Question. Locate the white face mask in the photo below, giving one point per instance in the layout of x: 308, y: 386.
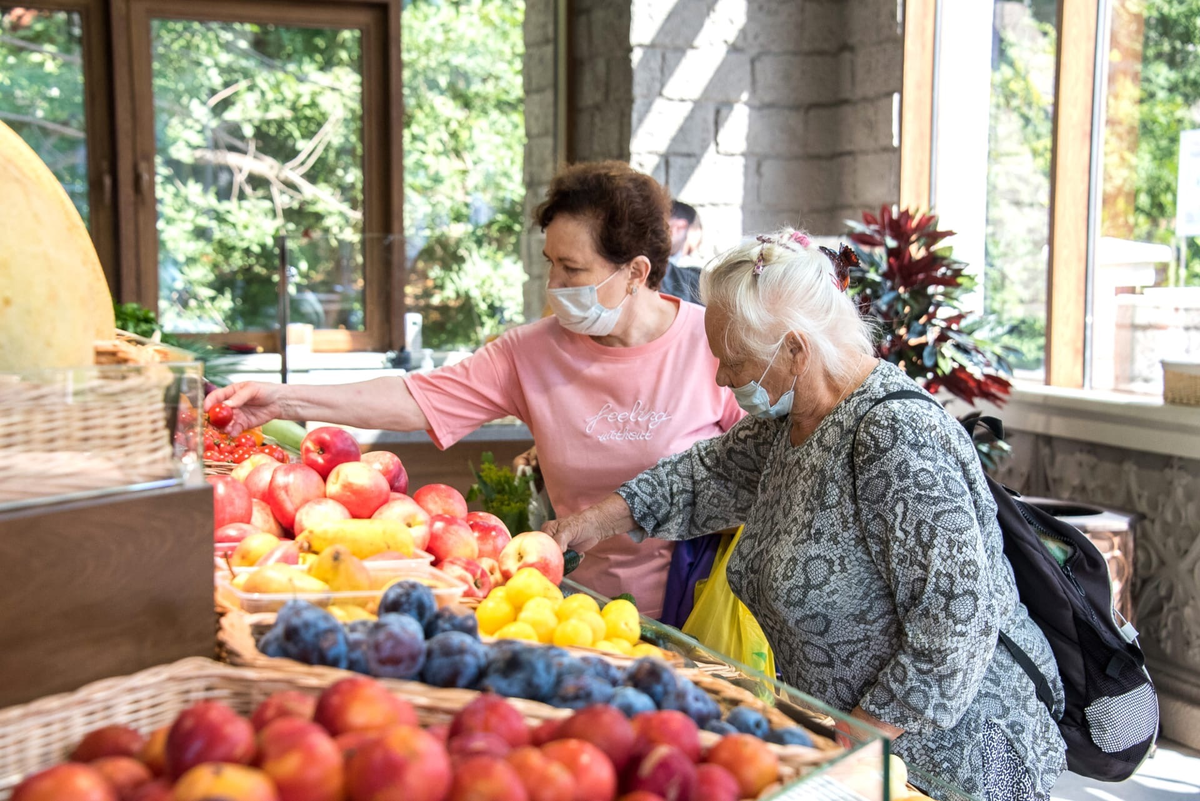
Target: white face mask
x: 578, y: 309
x: 755, y: 401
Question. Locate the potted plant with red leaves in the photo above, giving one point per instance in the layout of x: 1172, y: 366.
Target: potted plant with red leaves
x: 915, y: 288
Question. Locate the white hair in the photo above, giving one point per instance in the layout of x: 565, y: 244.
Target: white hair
x: 796, y: 291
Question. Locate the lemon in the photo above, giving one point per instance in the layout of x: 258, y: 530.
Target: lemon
x: 573, y: 633
x: 499, y: 593
x: 577, y: 605
x: 494, y: 613
x: 606, y: 645
x: 552, y: 594
x: 621, y: 621
x: 646, y: 649
x: 595, y: 623
x: 526, y: 583
x: 517, y: 631
x: 623, y: 648
x: 347, y: 613
x: 539, y: 613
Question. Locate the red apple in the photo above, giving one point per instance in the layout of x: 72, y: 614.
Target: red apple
x: 640, y: 795
x: 533, y: 549
x: 714, y: 783
x: 108, y: 741
x: 70, y: 781
x: 283, y: 704
x: 243, y: 470
x: 405, y: 764
x: 667, y: 727
x: 317, y: 512
x: 473, y: 574
x: 595, y: 777
x: 125, y: 774
x: 263, y: 519
x: 544, y: 779
x: 325, y: 448
x: 234, y: 532
x: 357, y: 486
x: 157, y: 790
x: 604, y: 727
x: 480, y: 743
x: 404, y: 509
x: 361, y: 704
x: 487, y: 778
x: 450, y: 537
x: 441, y: 499
x: 441, y: 731
x: 231, y: 501
x: 666, y: 772
x: 493, y: 570
x: 351, y: 741
x: 292, y: 486
x: 544, y: 732
x: 259, y: 480
x: 212, y: 781
x: 208, y: 732
x: 491, y: 713
x: 748, y: 759
x: 490, y: 532
x: 302, y: 759
x: 390, y: 466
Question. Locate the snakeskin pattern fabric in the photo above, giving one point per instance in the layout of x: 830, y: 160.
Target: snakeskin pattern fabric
x: 880, y: 582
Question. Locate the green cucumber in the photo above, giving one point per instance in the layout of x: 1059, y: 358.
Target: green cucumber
x: 288, y: 434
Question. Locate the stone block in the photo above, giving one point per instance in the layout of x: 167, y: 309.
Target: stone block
x: 609, y: 30
x: 758, y: 220
x: 666, y: 23
x: 652, y: 164
x: 608, y: 139
x: 539, y: 114
x: 775, y: 26
x: 722, y: 227
x: 733, y: 128
x: 823, y: 27
x: 712, y: 179
x: 539, y: 159
x: 823, y: 132
x: 876, y: 179
x: 591, y: 83
x: 581, y: 125
x: 620, y: 80
x: 673, y: 126
x: 706, y: 73
x: 537, y: 68
x: 580, y: 35
x: 539, y: 22
x: 872, y: 21
x: 775, y: 132
x: 878, y: 68
x: 868, y: 124
x: 683, y: 168
x: 799, y: 183
x: 844, y: 90
x: 724, y: 25
x: 647, y: 72
x: 793, y: 79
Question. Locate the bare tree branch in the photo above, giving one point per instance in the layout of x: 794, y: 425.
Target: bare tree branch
x: 67, y: 57
x: 315, y: 147
x: 49, y: 126
x: 266, y: 167
x: 226, y: 92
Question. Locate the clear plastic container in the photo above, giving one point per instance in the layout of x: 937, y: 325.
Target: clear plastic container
x: 379, y: 569
x: 447, y: 590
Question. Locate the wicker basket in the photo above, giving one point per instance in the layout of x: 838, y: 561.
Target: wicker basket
x: 64, y: 431
x: 1181, y: 383
x: 236, y: 643
x: 37, y: 735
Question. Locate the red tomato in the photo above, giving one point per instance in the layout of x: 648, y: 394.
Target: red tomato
x: 240, y: 455
x: 275, y: 452
x: 220, y: 415
x: 246, y: 441
x: 212, y: 455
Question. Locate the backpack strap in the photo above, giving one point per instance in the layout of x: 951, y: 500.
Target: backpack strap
x: 1041, y: 684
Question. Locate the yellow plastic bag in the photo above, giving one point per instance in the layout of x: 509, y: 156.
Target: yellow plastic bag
x: 723, y: 623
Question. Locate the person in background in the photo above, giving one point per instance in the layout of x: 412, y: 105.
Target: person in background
x: 695, y: 237
x: 620, y: 377
x: 680, y: 281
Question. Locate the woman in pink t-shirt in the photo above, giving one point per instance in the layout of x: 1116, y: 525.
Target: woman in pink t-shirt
x: 619, y: 378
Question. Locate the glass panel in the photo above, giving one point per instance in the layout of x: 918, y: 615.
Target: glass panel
x: 259, y: 135
x: 1145, y: 277
x: 41, y: 91
x: 995, y: 112
x: 464, y: 141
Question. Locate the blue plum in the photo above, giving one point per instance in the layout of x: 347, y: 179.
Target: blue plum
x: 453, y: 659
x: 396, y: 647
x: 410, y: 598
x: 632, y: 702
x: 748, y: 721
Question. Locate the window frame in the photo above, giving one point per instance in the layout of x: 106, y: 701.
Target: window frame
x: 1072, y: 165
x: 120, y: 141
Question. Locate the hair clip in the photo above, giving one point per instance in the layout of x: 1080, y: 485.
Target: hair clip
x: 764, y: 240
x: 842, y: 260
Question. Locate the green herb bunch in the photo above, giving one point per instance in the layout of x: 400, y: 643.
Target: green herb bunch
x: 502, y: 493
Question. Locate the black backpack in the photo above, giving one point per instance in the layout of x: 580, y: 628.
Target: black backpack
x: 1110, y: 721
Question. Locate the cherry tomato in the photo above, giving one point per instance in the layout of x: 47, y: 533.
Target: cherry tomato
x: 240, y: 455
x: 246, y: 441
x: 275, y: 452
x: 212, y: 455
x: 220, y: 415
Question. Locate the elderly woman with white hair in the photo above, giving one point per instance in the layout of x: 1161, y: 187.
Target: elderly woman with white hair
x: 871, y: 553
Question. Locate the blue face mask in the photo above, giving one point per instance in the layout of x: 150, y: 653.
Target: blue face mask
x: 754, y: 400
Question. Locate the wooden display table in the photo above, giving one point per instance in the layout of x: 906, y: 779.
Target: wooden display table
x: 104, y: 587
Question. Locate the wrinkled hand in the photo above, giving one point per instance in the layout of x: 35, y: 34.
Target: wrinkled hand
x: 253, y: 403
x: 579, y: 532
x: 527, y: 459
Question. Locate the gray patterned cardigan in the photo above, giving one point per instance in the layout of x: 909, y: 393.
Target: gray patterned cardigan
x: 892, y: 605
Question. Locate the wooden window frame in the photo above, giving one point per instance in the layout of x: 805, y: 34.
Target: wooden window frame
x: 1071, y: 169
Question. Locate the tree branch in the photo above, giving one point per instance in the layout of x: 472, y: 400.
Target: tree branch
x: 67, y: 57
x: 49, y: 126
x: 270, y: 169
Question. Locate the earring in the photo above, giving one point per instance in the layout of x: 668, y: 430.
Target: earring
x: 633, y: 291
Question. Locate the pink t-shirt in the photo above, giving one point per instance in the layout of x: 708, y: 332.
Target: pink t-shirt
x: 599, y: 416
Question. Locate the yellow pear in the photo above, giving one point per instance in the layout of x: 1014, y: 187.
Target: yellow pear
x: 278, y: 578
x: 338, y: 567
x: 252, y: 548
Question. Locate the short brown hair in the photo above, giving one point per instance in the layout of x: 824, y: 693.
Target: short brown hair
x: 628, y: 211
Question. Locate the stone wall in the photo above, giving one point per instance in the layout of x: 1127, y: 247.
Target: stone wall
x: 541, y: 150
x: 1165, y: 492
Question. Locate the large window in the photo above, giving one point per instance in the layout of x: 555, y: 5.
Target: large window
x: 1070, y: 215
x: 229, y: 154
